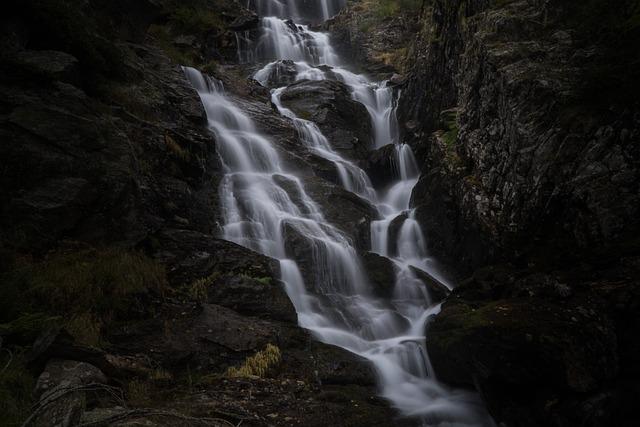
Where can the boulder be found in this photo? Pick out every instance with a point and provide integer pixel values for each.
(67, 373)
(345, 122)
(380, 166)
(279, 74)
(513, 349)
(60, 402)
(437, 290)
(381, 273)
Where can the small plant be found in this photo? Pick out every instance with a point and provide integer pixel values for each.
(199, 288)
(257, 365)
(176, 149)
(266, 281)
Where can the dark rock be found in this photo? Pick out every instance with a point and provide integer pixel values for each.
(437, 290)
(380, 166)
(56, 65)
(344, 122)
(381, 273)
(511, 348)
(282, 73)
(67, 373)
(394, 233)
(248, 20)
(380, 49)
(233, 276)
(56, 343)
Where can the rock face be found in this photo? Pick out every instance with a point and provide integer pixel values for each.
(524, 164)
(375, 43)
(523, 158)
(344, 122)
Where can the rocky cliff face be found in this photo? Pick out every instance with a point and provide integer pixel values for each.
(526, 158)
(526, 118)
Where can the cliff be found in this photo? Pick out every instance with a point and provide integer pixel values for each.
(525, 115)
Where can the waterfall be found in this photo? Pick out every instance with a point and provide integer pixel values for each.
(265, 205)
(299, 10)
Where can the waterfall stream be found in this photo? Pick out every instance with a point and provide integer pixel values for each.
(264, 205)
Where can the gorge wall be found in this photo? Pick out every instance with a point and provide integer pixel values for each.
(525, 114)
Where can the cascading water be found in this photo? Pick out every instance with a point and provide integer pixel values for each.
(334, 300)
(299, 10)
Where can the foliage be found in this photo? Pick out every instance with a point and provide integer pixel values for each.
(387, 8)
(259, 364)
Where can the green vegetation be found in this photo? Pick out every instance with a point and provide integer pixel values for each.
(387, 8)
(198, 289)
(83, 289)
(193, 16)
(450, 136)
(259, 364)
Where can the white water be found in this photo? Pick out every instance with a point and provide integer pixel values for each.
(335, 299)
(298, 10)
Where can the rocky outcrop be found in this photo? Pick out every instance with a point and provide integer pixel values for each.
(342, 120)
(521, 158)
(374, 38)
(526, 340)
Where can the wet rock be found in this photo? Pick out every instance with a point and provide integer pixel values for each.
(437, 290)
(344, 122)
(380, 166)
(394, 233)
(247, 20)
(281, 73)
(345, 210)
(381, 273)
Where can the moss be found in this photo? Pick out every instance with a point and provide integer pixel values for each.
(259, 364)
(266, 281)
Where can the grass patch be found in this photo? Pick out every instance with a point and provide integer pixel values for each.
(257, 365)
(198, 290)
(82, 289)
